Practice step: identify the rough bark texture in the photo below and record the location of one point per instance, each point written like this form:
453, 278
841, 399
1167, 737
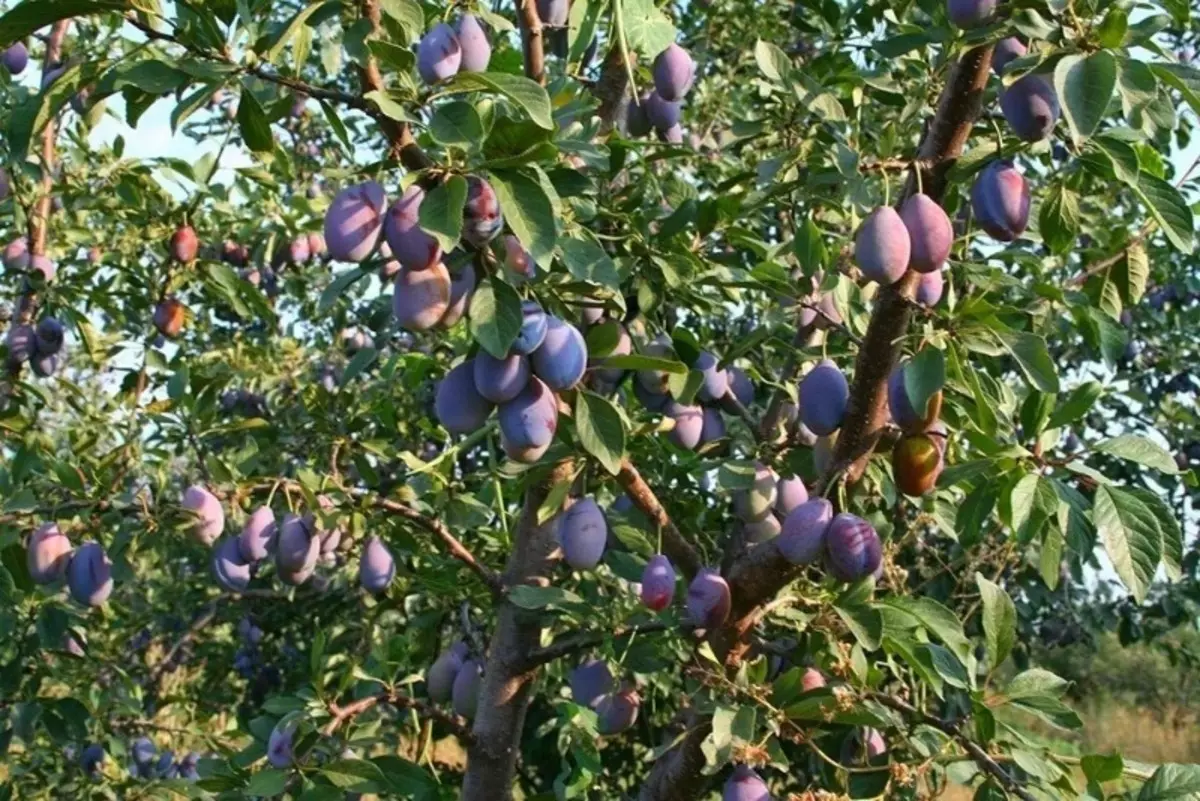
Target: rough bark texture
760, 573
611, 89
532, 41
508, 677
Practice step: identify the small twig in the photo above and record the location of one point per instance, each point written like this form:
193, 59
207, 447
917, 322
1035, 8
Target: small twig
344, 714
676, 547
478, 643
198, 625
439, 530
581, 640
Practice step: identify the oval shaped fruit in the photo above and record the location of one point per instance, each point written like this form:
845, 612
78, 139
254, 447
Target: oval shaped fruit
590, 682
554, 13
689, 424
534, 323
616, 712
852, 548
637, 120
439, 54
48, 336
209, 517
929, 232
1006, 50
1000, 201
462, 288
169, 316
421, 297
662, 114
184, 244
377, 567
47, 554
901, 408
500, 380
528, 422
882, 248
970, 13
658, 583
708, 599
91, 759
473, 39
317, 248
811, 679
930, 288
762, 530
16, 58
89, 575
257, 539
458, 405
22, 343
279, 745
296, 548
439, 679
916, 464
482, 216
561, 359
713, 427
1031, 107
518, 260
654, 402
464, 694
582, 534
674, 73
824, 396
229, 568
410, 245
745, 785
755, 502
16, 254
716, 380
802, 538
790, 492
354, 221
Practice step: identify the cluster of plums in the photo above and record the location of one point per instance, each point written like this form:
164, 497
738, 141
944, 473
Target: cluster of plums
445, 51
593, 686
456, 678
919, 456
17, 258
297, 544
145, 762
88, 570
767, 502
41, 346
661, 109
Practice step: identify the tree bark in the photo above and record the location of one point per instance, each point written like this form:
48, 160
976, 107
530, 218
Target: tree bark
509, 673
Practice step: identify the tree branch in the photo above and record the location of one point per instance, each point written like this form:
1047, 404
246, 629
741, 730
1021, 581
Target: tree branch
676, 547
453, 545
532, 41
344, 714
404, 146
581, 640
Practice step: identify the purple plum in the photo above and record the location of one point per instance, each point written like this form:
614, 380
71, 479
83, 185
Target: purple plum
716, 380
410, 245
1000, 201
804, 530
658, 583
482, 217
689, 424
824, 396
89, 575
662, 114
528, 422
207, 514
708, 599
674, 73
1031, 107
852, 548
930, 288
1006, 50
421, 297
377, 567
582, 534
500, 380
745, 785
47, 554
462, 289
968, 14
16, 58
464, 694
458, 405
929, 231
473, 39
790, 493
439, 54
439, 679
882, 247
354, 221
230, 569
590, 682
617, 711
755, 502
561, 359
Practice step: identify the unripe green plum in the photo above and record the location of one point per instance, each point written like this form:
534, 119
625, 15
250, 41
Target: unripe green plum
208, 516
464, 695
582, 534
410, 245
1031, 107
802, 538
852, 548
230, 569
257, 539
674, 73
658, 583
89, 575
439, 679
708, 599
458, 405
616, 712
47, 554
439, 54
590, 682
824, 396
421, 297
929, 231
476, 49
500, 380
354, 221
916, 464
882, 247
377, 567
745, 785
561, 359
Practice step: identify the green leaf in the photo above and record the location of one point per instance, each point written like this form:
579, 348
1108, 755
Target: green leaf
587, 261
1101, 768
1172, 554
407, 14
1131, 537
647, 30
529, 95
527, 596
1131, 273
495, 316
1085, 85
1078, 403
938, 620
351, 774
1034, 359
292, 27
999, 620
457, 124
772, 61
252, 122
1171, 782
601, 429
361, 361
268, 782
1113, 27
864, 622
441, 212
1036, 681
636, 361
528, 211
338, 287
26, 17
809, 248
1135, 448
1058, 218
1169, 210
924, 376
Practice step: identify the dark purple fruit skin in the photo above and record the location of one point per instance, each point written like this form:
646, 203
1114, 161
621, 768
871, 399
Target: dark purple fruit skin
745, 785
91, 759
439, 54
500, 380
231, 571
930, 288
1031, 107
590, 682
790, 493
421, 298
482, 217
377, 567
929, 231
410, 245
741, 385
279, 746
970, 13
708, 599
89, 575
802, 539
882, 247
637, 120
528, 421
476, 49
16, 58
616, 712
852, 548
658, 581
903, 413
663, 114
674, 73
1006, 50
464, 694
824, 395
354, 221
554, 13
1000, 201
716, 380
561, 359
582, 534
439, 679
458, 405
